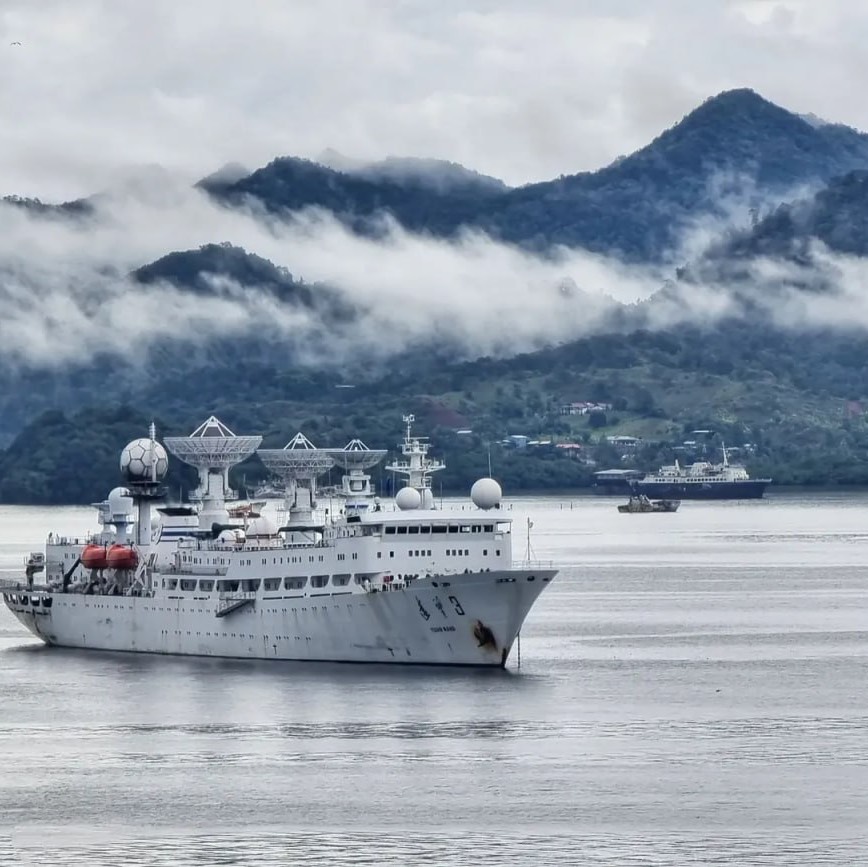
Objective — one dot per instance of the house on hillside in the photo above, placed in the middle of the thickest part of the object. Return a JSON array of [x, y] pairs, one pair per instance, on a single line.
[[583, 407], [624, 441]]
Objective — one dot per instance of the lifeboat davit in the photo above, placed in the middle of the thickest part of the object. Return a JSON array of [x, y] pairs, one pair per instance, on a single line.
[[94, 557], [121, 557]]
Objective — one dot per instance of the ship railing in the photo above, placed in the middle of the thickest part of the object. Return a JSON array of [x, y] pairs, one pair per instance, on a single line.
[[533, 564]]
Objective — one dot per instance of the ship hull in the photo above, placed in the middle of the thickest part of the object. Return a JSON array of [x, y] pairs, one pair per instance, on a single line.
[[466, 620], [753, 489]]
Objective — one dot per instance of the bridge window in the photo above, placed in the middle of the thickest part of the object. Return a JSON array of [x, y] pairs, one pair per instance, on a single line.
[[402, 531], [271, 584], [206, 585], [319, 580], [188, 584], [390, 531], [294, 583], [341, 580], [250, 585]]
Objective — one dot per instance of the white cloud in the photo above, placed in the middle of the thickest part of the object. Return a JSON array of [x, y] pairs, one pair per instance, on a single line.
[[66, 295], [521, 91]]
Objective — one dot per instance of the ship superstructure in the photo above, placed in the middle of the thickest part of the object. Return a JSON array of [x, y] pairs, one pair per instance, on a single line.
[[400, 582]]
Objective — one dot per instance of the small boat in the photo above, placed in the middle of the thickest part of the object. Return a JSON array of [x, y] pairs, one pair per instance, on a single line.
[[641, 503]]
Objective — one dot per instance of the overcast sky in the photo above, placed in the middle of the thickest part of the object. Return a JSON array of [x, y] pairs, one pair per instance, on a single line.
[[520, 90]]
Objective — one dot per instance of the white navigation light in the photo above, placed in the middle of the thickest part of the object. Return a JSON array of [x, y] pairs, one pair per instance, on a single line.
[[139, 458], [408, 498], [486, 493]]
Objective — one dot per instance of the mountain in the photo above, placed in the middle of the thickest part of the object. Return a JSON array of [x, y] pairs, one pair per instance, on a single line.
[[206, 270], [783, 389], [836, 215], [736, 147], [73, 209], [415, 199], [736, 150]]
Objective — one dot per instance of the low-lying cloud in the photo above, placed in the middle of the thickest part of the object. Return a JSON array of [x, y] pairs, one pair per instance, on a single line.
[[67, 295]]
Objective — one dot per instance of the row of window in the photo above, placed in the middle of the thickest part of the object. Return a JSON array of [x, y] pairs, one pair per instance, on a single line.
[[415, 529], [252, 585]]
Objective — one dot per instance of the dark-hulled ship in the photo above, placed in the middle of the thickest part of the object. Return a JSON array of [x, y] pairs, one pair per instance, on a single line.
[[702, 481]]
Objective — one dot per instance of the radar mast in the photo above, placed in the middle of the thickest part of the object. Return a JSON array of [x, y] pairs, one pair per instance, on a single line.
[[418, 467]]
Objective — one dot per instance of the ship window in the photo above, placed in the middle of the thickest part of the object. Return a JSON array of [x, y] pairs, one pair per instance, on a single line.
[[361, 577], [341, 580], [390, 531], [438, 529], [424, 529], [225, 584], [188, 584], [465, 528], [497, 552], [412, 530], [402, 531], [477, 528], [294, 583], [206, 586], [271, 584], [391, 553], [488, 528], [173, 584], [379, 555], [453, 528], [319, 580], [485, 552]]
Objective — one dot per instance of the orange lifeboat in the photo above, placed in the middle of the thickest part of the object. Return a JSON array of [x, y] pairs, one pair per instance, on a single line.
[[94, 557], [121, 557]]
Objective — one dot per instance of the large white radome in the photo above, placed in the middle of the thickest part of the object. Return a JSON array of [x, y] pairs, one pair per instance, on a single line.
[[486, 493], [408, 498], [137, 459]]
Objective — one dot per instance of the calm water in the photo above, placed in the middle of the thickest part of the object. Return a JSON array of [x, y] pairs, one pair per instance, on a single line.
[[692, 691]]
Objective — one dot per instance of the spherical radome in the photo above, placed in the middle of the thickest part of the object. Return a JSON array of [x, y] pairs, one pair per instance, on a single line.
[[120, 502], [137, 457], [486, 493], [408, 498]]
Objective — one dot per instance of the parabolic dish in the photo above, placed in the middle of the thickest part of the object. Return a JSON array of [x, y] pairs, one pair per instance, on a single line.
[[212, 446], [355, 455], [298, 459]]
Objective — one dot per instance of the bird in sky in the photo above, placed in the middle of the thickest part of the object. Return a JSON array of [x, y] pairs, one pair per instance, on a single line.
[[15, 43]]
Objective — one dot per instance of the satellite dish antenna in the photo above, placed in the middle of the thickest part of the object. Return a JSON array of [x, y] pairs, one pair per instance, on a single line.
[[355, 457], [212, 448], [298, 464]]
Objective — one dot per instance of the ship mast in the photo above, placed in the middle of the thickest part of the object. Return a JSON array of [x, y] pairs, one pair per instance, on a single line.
[[418, 467]]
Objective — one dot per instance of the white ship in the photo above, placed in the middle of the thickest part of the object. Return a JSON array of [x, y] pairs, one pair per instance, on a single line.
[[354, 581]]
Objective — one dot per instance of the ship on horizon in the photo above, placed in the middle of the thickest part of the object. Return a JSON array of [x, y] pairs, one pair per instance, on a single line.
[[363, 581], [701, 481]]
